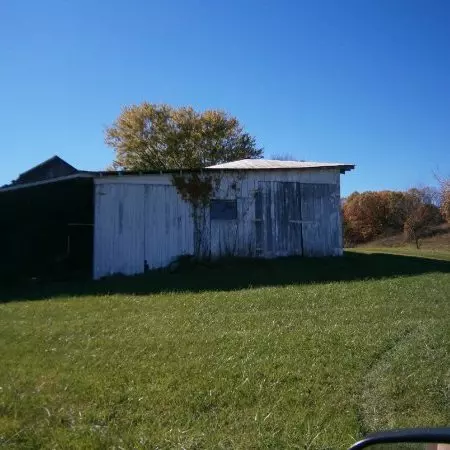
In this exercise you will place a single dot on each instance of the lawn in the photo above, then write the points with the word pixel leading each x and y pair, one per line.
pixel 293 353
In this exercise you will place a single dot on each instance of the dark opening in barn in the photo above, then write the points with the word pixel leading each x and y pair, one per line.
pixel 46 230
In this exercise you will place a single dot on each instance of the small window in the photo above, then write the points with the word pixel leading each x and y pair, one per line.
pixel 223 209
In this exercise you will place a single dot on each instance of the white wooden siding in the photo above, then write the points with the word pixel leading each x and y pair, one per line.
pixel 169 228
pixel 139 227
pixel 119 227
pixel 141 221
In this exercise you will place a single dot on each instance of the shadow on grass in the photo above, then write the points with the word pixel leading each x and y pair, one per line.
pixel 237 273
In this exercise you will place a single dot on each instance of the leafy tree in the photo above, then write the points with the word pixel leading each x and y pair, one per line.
pixel 365 216
pixel 159 137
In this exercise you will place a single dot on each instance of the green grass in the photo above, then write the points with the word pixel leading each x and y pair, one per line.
pixel 295 353
pixel 406 251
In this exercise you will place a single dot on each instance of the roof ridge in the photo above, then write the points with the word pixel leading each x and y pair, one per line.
pixel 54 157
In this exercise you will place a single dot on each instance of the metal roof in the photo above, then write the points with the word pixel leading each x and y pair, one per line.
pixel 274 164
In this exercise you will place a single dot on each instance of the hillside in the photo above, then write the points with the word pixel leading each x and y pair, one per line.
pixel 439 239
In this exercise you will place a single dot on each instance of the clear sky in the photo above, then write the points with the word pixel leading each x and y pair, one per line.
pixel 354 81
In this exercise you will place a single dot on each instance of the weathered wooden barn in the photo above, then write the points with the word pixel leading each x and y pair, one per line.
pixel 105 223
pixel 252 208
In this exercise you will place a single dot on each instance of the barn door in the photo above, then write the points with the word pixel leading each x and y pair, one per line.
pixel 321 220
pixel 278 219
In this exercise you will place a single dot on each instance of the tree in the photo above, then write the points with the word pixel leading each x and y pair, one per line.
pixel 445 202
pixel 160 137
pixel 419 221
pixel 365 216
pixel 428 194
pixel 444 199
pixel 370 214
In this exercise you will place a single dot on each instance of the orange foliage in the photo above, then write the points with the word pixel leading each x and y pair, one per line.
pixel 445 200
pixel 372 214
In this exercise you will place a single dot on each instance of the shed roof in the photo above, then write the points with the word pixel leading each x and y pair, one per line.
pixel 274 164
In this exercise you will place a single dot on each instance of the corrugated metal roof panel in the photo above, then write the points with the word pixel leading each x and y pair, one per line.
pixel 270 164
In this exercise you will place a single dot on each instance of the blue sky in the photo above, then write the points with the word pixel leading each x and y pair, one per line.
pixel 356 81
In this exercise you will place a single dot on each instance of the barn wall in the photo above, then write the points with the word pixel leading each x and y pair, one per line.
pixel 119 229
pixel 169 229
pixel 239 237
pixel 163 179
pixel 303 176
pixel 141 221
pixel 139 227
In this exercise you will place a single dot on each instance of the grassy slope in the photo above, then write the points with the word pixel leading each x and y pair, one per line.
pixel 440 241
pixel 427 253
pixel 312 357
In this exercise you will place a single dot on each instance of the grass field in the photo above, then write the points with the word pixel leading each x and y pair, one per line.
pixel 294 353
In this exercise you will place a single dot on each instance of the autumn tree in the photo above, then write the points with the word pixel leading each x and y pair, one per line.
pixel 160 137
pixel 365 216
pixel 419 221
pixel 445 198
pixel 369 215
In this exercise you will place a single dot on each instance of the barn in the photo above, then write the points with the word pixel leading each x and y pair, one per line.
pixel 250 208
pixel 57 220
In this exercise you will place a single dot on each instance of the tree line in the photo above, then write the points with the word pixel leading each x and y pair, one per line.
pixel 373 214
